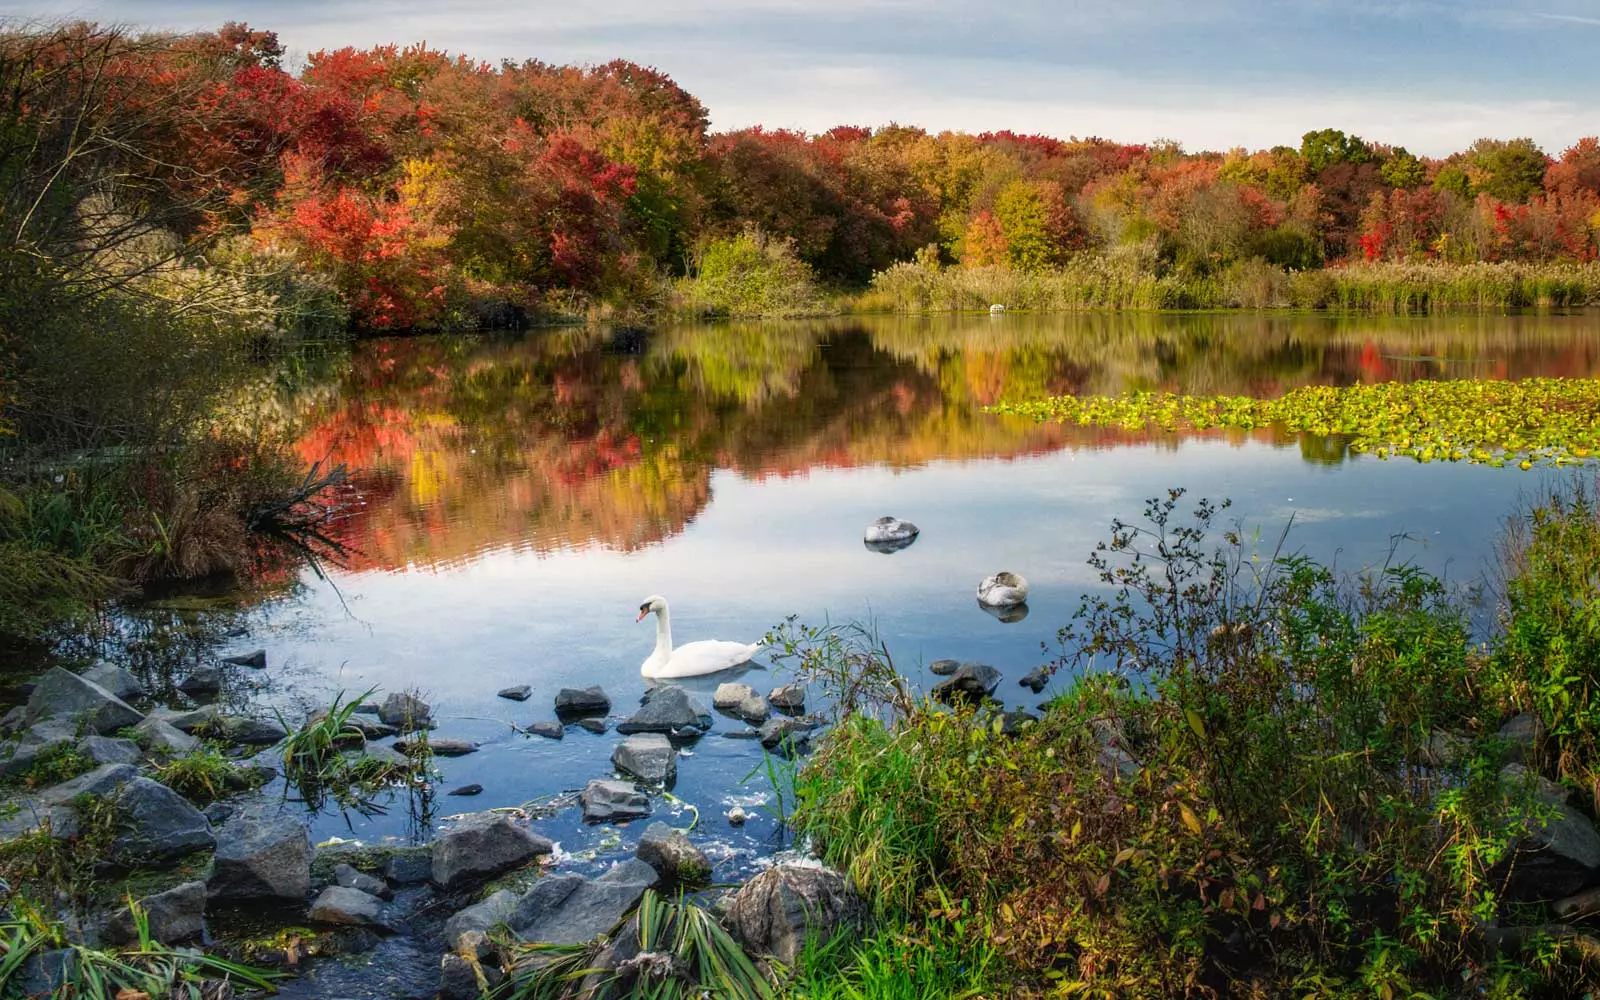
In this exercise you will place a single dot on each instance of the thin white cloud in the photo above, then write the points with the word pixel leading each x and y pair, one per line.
pixel 1566 18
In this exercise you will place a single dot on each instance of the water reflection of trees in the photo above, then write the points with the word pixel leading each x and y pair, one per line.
pixel 554 441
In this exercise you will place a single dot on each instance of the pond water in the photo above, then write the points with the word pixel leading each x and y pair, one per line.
pixel 522 496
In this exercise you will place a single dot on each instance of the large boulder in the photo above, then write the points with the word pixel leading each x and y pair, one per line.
pixel 590 909
pixel 118 681
pixel 465 932
pixel 773 913
pixel 159 736
pixel 582 701
pixel 349 908
pixel 101 783
pixel 609 801
pixel 649 757
pixel 174 916
pixel 482 845
pixel 42 739
pixel 243 730
pixel 157 825
pixel 63 694
pixel 1523 735
pixel 406 711
pixel 971 683
pixel 262 859
pixel 673 855
pixel 669 709
pixel 1559 857
pixel 109 750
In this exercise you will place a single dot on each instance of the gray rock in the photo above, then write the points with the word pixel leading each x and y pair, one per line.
pixel 245 731
pixel 549 730
pixel 157 825
pixel 1524 735
pixel 42 739
pixel 737 816
pixel 786 735
pixel 372 730
pixel 205 720
pixel 1117 763
pixel 1035 679
pixel 773 913
pixel 118 681
pixel 482 845
pixel 175 916
pixel 472 789
pixel 406 711
pixel 522 692
pixel 1012 723
pixel 374 757
pixel 1515 776
pixel 218 813
pixel 348 907
pixel 465 933
pixel 350 878
pixel 582 701
pixel 49 973
pixel 669 709
pixel 204 682
pixel 256 659
pixel 14 720
pixel 108 750
pixel 673 855
pixel 1560 858
pixel 647 756
pixel 410 867
pixel 593 725
pixel 741 734
pixel 1443 749
pixel 160 737
pixel 972 682
pixel 63 694
pixel 608 801
pixel 102 783
pixel 262 859
pixel 728 696
pixel 788 698
pixel 439 748
pixel 593 907
pixel 944 668
pixel 463 979
pixel 543 898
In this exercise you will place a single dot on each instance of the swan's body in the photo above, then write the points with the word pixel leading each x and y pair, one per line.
pixel 692 659
pixel 1003 590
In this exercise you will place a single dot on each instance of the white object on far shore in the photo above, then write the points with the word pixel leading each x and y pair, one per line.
pixel 996 309
pixel 1002 590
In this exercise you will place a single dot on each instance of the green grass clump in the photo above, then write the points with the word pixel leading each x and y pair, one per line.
pixel 945 956
pixel 203 776
pixel 1239 791
pixel 63 763
pixel 1552 421
pixel 324 757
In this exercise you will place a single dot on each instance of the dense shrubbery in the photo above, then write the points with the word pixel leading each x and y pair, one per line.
pixel 1244 788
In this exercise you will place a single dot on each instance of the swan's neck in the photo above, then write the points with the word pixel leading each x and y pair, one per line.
pixel 663 636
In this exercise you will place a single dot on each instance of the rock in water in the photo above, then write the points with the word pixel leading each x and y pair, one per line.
pixel 204 682
pixel 1035 679
pixel 582 701
pixel 406 711
pixel 673 855
pixel 467 929
pixel 116 680
pixel 62 694
pixel 484 844
pixel 670 709
pixel 522 692
pixel 348 907
pixel 256 659
pixel 728 696
pixel 788 698
pixel 647 756
pixel 609 801
pixel 786 736
pixel 549 730
pixel 889 534
pixel 775 911
pixel 350 878
pixel 472 789
pixel 591 908
pixel 971 683
pixel 262 859
pixel 1003 590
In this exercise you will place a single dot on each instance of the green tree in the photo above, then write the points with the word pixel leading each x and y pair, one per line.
pixel 1328 147
pixel 1403 170
pixel 1512 170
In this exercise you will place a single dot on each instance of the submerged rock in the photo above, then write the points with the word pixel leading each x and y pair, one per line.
pixel 775 911
pixel 669 709
pixel 472 789
pixel 262 859
pixel 606 800
pixel 549 730
pixel 1035 679
pixel 256 659
pixel 593 725
pixel 972 682
pixel 482 845
pixel 647 756
pixel 437 747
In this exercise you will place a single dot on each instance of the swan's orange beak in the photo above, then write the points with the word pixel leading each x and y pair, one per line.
pixel 641 616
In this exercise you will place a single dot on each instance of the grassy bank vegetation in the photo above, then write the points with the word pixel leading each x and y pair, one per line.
pixel 1254 779
pixel 1487 421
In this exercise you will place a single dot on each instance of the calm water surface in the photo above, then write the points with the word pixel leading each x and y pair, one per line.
pixel 523 496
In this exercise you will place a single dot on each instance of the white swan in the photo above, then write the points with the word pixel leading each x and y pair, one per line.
pixel 1003 590
pixel 692 658
pixel 889 534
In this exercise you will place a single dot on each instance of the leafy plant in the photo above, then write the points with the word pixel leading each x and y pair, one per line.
pixel 203 775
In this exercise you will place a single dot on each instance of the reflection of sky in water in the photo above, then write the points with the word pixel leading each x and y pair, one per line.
pixel 762 550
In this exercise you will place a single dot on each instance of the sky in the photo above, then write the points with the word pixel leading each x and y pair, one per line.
pixel 1210 74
